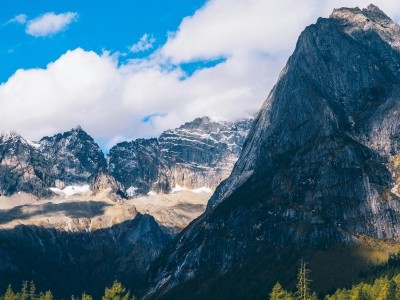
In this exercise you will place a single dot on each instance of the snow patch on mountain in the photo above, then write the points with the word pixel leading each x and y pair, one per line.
pixel 202 189
pixel 72 190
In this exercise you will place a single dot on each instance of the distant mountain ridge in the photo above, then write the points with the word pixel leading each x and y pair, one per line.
pixel 199 153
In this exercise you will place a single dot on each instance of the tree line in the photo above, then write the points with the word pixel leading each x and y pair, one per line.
pixel 28 292
pixel 386 287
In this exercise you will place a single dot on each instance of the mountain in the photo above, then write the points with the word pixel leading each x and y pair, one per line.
pixel 317 178
pixel 76 245
pixel 74 155
pixel 140 166
pixel 70 158
pixel 64 219
pixel 22 167
pixel 198 154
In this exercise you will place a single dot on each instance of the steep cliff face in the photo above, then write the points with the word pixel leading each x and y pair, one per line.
pixel 140 166
pixel 22 167
pixel 69 158
pixel 74 156
pixel 202 152
pixel 198 154
pixel 315 170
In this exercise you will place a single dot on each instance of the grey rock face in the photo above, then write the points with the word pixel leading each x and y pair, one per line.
pixel 67 158
pixel 105 183
pixel 200 153
pixel 203 152
pixel 315 170
pixel 22 167
pixel 74 156
pixel 140 164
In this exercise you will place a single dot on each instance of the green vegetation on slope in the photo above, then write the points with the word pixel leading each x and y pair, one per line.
pixel 28 292
pixel 382 284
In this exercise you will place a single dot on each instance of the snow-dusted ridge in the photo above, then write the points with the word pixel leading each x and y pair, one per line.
pixel 198 154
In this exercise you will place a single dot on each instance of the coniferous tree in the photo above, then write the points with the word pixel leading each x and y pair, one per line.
pixel 10 295
pixel 23 295
pixel 396 280
pixel 340 295
pixel 32 291
pixel 117 292
pixel 303 283
pixel 86 297
pixel 278 293
pixel 391 293
pixel 46 296
pixel 360 292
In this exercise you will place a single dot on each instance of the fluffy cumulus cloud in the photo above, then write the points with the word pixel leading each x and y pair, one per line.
pixel 50 23
pixel 143 97
pixel 145 43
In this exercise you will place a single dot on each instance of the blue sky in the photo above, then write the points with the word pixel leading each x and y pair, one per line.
pixel 100 25
pixel 129 69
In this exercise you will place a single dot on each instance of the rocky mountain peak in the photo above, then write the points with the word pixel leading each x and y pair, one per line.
pixel 373 10
pixel 315 168
pixel 200 153
pixel 203 124
pixel 359 22
pixel 357 16
pixel 22 167
pixel 14 138
pixel 77 128
pixel 9 135
pixel 76 157
pixel 70 136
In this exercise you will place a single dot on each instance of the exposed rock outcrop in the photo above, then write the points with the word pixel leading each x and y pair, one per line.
pixel 140 166
pixel 315 170
pixel 106 185
pixel 74 157
pixel 22 167
pixel 70 158
pixel 198 154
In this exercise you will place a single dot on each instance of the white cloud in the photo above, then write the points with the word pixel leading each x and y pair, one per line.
pixel 225 27
pixel 50 23
pixel 146 42
pixel 20 19
pixel 110 100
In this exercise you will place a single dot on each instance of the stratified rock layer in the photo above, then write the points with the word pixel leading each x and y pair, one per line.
pixel 198 154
